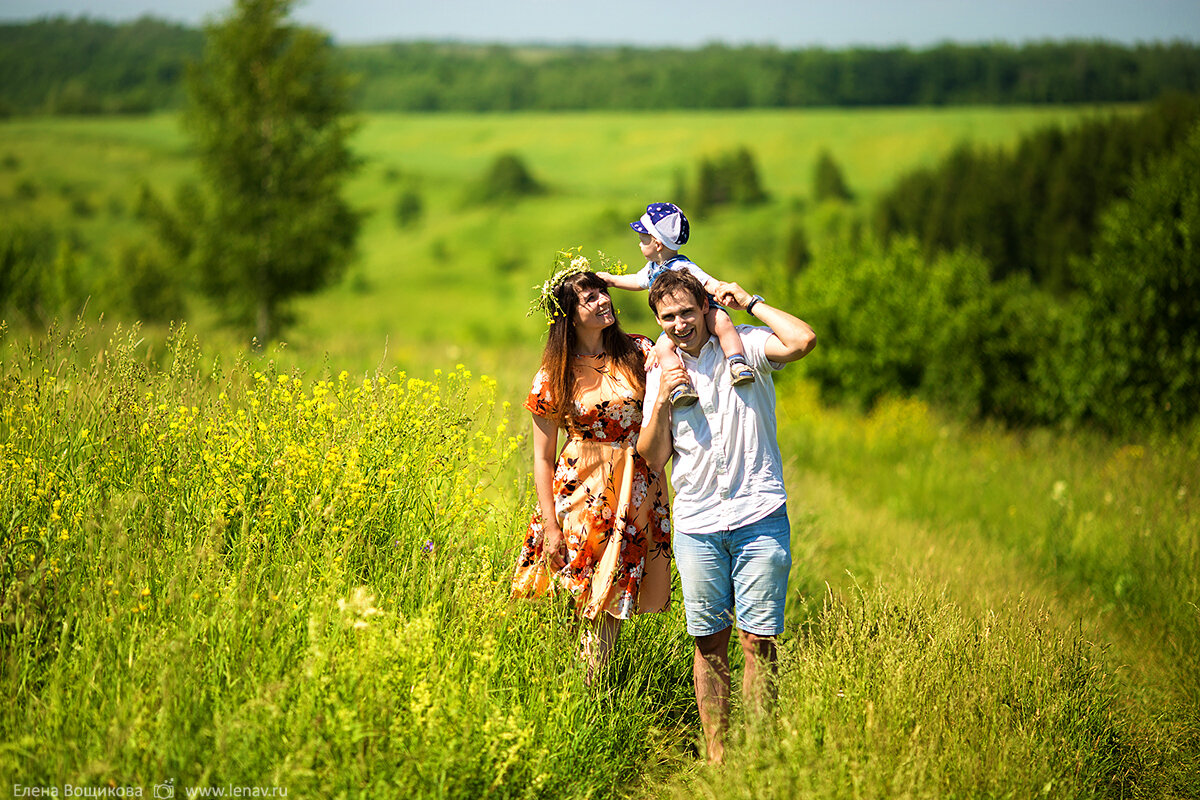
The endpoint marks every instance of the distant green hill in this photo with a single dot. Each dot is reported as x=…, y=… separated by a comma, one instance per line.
x=84, y=66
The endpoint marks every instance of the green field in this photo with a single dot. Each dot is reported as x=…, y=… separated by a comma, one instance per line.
x=289, y=569
x=460, y=278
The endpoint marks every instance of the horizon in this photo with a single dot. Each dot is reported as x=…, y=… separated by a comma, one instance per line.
x=783, y=24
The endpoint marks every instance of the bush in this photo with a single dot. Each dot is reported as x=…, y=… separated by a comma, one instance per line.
x=409, y=208
x=891, y=322
x=39, y=273
x=508, y=178
x=1141, y=302
x=154, y=292
x=728, y=179
x=828, y=181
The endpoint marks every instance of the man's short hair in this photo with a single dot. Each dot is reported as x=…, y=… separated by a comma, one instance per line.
x=672, y=281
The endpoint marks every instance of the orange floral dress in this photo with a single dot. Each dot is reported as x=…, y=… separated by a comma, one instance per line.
x=612, y=509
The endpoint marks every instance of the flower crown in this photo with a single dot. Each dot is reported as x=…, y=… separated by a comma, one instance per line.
x=567, y=263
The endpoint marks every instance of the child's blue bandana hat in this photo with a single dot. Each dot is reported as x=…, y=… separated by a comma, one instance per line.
x=665, y=222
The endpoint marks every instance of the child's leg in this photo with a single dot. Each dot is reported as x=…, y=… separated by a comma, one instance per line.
x=719, y=323
x=664, y=349
x=731, y=344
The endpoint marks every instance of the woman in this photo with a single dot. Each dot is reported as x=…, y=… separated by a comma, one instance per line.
x=602, y=528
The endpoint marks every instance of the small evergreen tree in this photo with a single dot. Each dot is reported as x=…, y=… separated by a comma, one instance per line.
x=267, y=111
x=409, y=208
x=508, y=178
x=828, y=182
x=797, y=254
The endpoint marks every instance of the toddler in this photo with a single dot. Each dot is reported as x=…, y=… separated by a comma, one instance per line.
x=662, y=230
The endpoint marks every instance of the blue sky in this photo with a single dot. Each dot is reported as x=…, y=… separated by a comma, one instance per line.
x=785, y=23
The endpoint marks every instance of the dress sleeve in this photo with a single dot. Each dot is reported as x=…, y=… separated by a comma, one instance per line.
x=644, y=344
x=539, y=402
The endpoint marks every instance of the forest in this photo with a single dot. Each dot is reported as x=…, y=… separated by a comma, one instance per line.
x=83, y=66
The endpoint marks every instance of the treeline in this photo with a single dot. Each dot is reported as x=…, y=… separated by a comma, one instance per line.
x=446, y=77
x=946, y=314
x=84, y=66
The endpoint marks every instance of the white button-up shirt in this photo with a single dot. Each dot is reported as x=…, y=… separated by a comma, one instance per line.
x=728, y=471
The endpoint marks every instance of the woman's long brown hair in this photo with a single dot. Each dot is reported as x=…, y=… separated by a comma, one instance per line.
x=560, y=345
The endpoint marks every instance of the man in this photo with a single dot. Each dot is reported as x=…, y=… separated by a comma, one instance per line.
x=732, y=538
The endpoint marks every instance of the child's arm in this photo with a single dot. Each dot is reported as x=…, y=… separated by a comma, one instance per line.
x=628, y=282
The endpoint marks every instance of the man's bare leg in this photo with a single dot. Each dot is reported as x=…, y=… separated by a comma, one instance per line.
x=710, y=672
x=758, y=679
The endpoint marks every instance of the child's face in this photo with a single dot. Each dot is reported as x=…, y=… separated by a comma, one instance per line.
x=652, y=249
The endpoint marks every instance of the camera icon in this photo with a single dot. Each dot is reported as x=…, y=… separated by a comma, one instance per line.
x=165, y=790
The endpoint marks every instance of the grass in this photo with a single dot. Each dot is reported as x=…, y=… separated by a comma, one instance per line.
x=236, y=578
x=233, y=576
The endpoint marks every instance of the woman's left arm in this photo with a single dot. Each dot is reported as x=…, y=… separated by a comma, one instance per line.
x=545, y=455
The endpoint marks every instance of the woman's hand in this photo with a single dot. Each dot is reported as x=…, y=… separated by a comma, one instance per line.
x=554, y=547
x=651, y=359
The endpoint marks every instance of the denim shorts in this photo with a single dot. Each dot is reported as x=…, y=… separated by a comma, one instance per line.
x=744, y=570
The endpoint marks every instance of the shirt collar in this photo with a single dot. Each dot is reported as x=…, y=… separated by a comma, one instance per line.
x=712, y=340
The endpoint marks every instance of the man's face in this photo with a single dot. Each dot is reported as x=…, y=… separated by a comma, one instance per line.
x=682, y=319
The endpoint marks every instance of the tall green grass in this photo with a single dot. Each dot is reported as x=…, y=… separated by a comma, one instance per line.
x=229, y=574
x=230, y=577
x=896, y=691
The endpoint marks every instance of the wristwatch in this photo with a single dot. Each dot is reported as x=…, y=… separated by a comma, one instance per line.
x=754, y=300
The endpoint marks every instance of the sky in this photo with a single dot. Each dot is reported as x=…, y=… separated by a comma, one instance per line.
x=787, y=24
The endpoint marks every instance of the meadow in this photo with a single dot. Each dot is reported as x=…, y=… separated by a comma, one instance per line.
x=287, y=569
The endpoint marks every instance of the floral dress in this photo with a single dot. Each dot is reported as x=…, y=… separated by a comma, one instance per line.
x=612, y=509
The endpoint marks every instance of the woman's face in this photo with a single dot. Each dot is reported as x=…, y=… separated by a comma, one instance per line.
x=594, y=311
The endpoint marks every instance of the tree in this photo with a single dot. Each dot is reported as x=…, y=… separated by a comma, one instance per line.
x=1141, y=351
x=267, y=109
x=507, y=179
x=828, y=183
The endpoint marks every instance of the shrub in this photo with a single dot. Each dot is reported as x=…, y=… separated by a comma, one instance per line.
x=508, y=178
x=892, y=322
x=828, y=181
x=728, y=179
x=409, y=208
x=154, y=292
x=1141, y=301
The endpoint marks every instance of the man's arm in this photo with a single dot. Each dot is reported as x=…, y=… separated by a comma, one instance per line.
x=793, y=339
x=654, y=441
